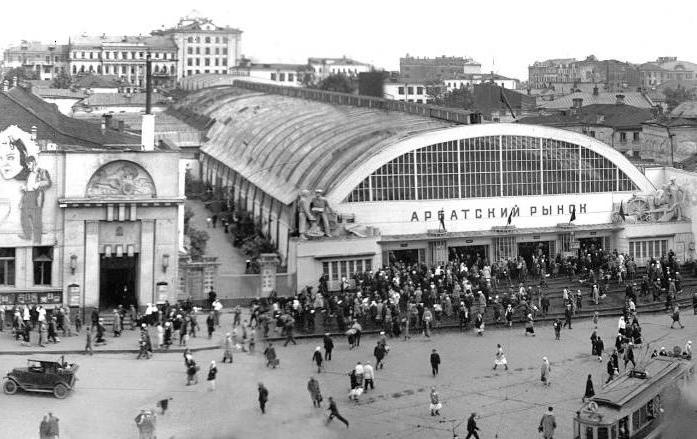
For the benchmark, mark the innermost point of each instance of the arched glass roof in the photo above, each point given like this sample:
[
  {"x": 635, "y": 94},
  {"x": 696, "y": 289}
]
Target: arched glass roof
[{"x": 492, "y": 166}]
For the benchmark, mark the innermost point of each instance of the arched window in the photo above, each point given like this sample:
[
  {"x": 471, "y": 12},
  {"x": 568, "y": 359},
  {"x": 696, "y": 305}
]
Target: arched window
[{"x": 492, "y": 166}]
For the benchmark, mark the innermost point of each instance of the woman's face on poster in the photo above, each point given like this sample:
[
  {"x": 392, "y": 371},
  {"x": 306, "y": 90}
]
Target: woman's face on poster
[{"x": 10, "y": 161}]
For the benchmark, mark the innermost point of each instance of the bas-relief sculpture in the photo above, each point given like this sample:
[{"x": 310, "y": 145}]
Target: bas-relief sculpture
[
  {"x": 121, "y": 179},
  {"x": 667, "y": 204},
  {"x": 22, "y": 185}
]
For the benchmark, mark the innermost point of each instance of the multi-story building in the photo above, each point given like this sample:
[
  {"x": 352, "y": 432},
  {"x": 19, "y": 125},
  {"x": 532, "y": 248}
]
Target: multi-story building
[
  {"x": 203, "y": 47},
  {"x": 468, "y": 80},
  {"x": 615, "y": 75},
  {"x": 436, "y": 69},
  {"x": 124, "y": 57},
  {"x": 323, "y": 67},
  {"x": 273, "y": 73},
  {"x": 44, "y": 60}
]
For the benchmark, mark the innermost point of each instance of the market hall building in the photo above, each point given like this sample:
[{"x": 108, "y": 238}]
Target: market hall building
[
  {"x": 402, "y": 186},
  {"x": 88, "y": 217}
]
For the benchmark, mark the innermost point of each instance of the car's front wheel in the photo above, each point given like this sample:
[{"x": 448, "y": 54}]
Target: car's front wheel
[
  {"x": 9, "y": 387},
  {"x": 60, "y": 391}
]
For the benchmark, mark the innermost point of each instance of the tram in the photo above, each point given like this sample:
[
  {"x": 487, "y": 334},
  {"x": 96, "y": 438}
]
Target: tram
[{"x": 631, "y": 406}]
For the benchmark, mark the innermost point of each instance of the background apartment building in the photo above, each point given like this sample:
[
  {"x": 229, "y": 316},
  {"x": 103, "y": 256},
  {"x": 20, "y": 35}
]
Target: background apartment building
[
  {"x": 124, "y": 57},
  {"x": 43, "y": 60},
  {"x": 415, "y": 69},
  {"x": 203, "y": 47}
]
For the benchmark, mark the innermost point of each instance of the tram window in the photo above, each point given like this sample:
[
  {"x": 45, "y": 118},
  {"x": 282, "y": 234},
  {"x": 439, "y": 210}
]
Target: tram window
[
  {"x": 589, "y": 432},
  {"x": 603, "y": 433}
]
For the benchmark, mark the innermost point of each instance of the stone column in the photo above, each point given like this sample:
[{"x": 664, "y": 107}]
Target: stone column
[
  {"x": 91, "y": 263},
  {"x": 146, "y": 262}
]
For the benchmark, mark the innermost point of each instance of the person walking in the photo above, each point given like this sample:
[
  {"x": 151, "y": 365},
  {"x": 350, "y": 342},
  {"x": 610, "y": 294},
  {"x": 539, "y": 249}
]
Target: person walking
[
  {"x": 530, "y": 326},
  {"x": 263, "y": 397},
  {"x": 599, "y": 348},
  {"x": 212, "y": 372},
  {"x": 334, "y": 413},
  {"x": 52, "y": 429},
  {"x": 590, "y": 391},
  {"x": 435, "y": 362},
  {"x": 368, "y": 377},
  {"x": 228, "y": 345},
  {"x": 88, "y": 340},
  {"x": 210, "y": 323},
  {"x": 435, "y": 405},
  {"x": 328, "y": 346},
  {"x": 317, "y": 358},
  {"x": 568, "y": 313},
  {"x": 629, "y": 355},
  {"x": 472, "y": 427},
  {"x": 548, "y": 424},
  {"x": 270, "y": 355},
  {"x": 379, "y": 353},
  {"x": 145, "y": 421},
  {"x": 545, "y": 370},
  {"x": 557, "y": 329},
  {"x": 479, "y": 324},
  {"x": 500, "y": 359},
  {"x": 611, "y": 370},
  {"x": 676, "y": 317},
  {"x": 315, "y": 394}
]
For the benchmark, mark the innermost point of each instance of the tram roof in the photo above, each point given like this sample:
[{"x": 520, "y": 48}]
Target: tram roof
[{"x": 628, "y": 391}]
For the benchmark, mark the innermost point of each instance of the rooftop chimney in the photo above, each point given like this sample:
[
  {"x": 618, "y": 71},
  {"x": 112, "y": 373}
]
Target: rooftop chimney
[
  {"x": 620, "y": 99},
  {"x": 147, "y": 132},
  {"x": 34, "y": 133}
]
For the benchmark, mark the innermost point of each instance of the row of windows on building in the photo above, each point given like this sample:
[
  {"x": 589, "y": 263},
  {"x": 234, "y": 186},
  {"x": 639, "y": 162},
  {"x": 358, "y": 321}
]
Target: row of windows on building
[
  {"x": 123, "y": 69},
  {"x": 208, "y": 40},
  {"x": 207, "y": 51},
  {"x": 121, "y": 55},
  {"x": 206, "y": 61},
  {"x": 198, "y": 71},
  {"x": 492, "y": 166},
  {"x": 42, "y": 261},
  {"x": 281, "y": 77}
]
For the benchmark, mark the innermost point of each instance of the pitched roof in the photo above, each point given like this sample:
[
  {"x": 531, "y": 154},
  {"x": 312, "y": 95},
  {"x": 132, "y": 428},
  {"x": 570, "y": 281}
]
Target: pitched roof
[
  {"x": 687, "y": 109},
  {"x": 650, "y": 67},
  {"x": 487, "y": 98},
  {"x": 342, "y": 61},
  {"x": 118, "y": 99},
  {"x": 635, "y": 99},
  {"x": 611, "y": 115},
  {"x": 24, "y": 109},
  {"x": 146, "y": 41},
  {"x": 48, "y": 92},
  {"x": 97, "y": 81},
  {"x": 273, "y": 66}
]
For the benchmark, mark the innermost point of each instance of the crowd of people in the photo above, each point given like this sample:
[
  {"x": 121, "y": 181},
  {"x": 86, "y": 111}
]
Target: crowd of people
[{"x": 399, "y": 300}]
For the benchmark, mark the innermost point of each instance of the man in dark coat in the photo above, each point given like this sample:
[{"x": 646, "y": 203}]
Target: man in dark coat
[
  {"x": 435, "y": 361},
  {"x": 567, "y": 314},
  {"x": 263, "y": 397},
  {"x": 590, "y": 391},
  {"x": 472, "y": 427},
  {"x": 379, "y": 353},
  {"x": 334, "y": 413},
  {"x": 328, "y": 347}
]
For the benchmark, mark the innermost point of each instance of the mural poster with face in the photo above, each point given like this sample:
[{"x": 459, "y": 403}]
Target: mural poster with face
[{"x": 23, "y": 185}]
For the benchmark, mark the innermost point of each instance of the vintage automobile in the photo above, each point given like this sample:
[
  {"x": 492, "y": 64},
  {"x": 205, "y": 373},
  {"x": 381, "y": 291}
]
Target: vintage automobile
[{"x": 57, "y": 377}]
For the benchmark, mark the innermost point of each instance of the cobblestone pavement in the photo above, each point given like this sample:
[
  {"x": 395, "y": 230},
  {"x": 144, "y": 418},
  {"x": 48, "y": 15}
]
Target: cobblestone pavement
[{"x": 112, "y": 387}]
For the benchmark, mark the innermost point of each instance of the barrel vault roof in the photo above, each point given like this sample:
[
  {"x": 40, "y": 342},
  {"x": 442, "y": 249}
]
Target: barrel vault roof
[{"x": 283, "y": 144}]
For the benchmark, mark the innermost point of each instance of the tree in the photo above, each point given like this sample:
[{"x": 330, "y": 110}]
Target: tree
[
  {"x": 197, "y": 243},
  {"x": 62, "y": 80},
  {"x": 457, "y": 98},
  {"x": 677, "y": 96},
  {"x": 338, "y": 82},
  {"x": 22, "y": 74}
]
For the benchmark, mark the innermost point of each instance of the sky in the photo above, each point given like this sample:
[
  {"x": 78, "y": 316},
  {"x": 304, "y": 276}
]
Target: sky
[{"x": 504, "y": 36}]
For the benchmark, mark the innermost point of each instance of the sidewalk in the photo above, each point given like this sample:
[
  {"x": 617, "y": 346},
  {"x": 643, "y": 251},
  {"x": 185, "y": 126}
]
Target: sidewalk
[
  {"x": 126, "y": 343},
  {"x": 232, "y": 260}
]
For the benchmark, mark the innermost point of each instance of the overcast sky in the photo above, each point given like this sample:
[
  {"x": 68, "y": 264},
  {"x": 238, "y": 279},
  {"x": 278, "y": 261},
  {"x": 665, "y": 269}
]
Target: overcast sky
[{"x": 504, "y": 35}]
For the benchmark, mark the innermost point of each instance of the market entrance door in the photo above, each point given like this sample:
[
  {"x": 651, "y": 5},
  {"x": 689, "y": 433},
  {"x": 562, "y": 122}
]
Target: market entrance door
[
  {"x": 117, "y": 281},
  {"x": 469, "y": 254},
  {"x": 529, "y": 249}
]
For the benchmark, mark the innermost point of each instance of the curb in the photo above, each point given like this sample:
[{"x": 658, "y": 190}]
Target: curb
[{"x": 646, "y": 308}]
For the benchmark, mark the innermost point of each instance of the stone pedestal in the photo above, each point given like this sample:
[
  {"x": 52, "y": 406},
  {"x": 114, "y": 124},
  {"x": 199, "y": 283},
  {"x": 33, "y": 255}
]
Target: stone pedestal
[{"x": 268, "y": 263}]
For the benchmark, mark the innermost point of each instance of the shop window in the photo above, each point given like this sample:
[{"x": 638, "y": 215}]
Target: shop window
[
  {"x": 43, "y": 261},
  {"x": 7, "y": 267}
]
